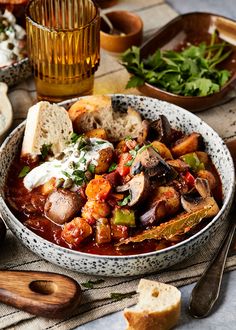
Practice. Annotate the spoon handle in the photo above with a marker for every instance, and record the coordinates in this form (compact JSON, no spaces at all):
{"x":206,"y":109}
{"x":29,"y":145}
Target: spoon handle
{"x":40,"y":293}
{"x":206,"y":291}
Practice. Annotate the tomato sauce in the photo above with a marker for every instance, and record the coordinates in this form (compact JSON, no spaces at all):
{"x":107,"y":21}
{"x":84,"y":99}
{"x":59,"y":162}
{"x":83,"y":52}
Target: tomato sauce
{"x":28,"y":208}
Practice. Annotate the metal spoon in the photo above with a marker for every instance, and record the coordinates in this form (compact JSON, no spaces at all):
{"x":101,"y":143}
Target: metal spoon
{"x":107,"y":21}
{"x":207,"y":289}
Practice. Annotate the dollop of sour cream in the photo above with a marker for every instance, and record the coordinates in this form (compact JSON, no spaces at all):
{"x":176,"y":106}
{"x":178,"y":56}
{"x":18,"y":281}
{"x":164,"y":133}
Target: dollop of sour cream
{"x":73,"y":159}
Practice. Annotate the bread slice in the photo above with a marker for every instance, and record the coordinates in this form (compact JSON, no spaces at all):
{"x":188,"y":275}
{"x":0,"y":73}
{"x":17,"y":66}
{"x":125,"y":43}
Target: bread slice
{"x":46,"y":124}
{"x":96,"y":112}
{"x":158,"y":307}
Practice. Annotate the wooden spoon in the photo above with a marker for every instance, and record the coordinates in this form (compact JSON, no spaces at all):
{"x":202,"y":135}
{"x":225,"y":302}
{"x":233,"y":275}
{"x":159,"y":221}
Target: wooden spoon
{"x":39,"y":293}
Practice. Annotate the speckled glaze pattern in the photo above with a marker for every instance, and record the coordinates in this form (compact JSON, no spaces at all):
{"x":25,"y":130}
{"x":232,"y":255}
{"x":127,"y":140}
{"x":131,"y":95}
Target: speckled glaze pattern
{"x":137,"y":264}
{"x":15,"y":73}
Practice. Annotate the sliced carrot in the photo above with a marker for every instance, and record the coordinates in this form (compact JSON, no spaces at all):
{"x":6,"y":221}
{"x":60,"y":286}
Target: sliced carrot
{"x":98,"y":189}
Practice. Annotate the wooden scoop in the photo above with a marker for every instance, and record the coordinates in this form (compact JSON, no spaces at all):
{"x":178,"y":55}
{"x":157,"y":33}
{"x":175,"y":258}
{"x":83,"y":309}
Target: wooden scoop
{"x":40,"y":293}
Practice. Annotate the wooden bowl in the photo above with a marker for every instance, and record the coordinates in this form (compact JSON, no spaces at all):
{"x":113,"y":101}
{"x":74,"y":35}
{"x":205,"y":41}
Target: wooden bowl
{"x":126,"y":22}
{"x":193,"y":28}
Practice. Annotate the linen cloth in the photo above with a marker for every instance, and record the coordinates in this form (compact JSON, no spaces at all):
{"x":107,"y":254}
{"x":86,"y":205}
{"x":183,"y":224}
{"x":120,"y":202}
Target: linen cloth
{"x":96,"y":302}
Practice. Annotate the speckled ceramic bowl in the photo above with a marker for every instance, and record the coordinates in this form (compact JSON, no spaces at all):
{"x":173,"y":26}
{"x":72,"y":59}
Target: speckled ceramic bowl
{"x":15,"y":73}
{"x":135,"y":264}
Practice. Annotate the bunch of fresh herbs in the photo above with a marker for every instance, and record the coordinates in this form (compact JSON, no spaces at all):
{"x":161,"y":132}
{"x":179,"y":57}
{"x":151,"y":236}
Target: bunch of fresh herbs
{"x":190,"y":72}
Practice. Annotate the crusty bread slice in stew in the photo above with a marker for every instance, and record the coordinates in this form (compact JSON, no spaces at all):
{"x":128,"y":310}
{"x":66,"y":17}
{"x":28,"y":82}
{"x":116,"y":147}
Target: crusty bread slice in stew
{"x":93,"y":112}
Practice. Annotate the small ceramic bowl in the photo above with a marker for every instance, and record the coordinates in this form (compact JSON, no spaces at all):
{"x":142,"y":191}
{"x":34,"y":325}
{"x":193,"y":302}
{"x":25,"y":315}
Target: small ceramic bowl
{"x":15,"y":73}
{"x":106,"y":265}
{"x":6,"y":113}
{"x":128,"y":31}
{"x":192,"y":28}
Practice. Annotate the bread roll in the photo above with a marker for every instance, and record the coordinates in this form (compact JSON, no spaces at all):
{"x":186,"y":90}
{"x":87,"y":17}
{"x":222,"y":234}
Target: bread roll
{"x":94,"y":112}
{"x":46,"y":124}
{"x":158,"y":307}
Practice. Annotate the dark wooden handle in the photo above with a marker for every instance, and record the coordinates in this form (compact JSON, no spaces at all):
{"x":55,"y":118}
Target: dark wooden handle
{"x":40,"y":293}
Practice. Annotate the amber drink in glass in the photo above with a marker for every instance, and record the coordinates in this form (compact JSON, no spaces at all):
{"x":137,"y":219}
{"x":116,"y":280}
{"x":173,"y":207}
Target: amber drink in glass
{"x":63,"y":46}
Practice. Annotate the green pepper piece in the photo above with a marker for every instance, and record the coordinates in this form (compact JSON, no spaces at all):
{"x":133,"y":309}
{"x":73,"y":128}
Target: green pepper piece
{"x":124,"y":217}
{"x":193,"y":161}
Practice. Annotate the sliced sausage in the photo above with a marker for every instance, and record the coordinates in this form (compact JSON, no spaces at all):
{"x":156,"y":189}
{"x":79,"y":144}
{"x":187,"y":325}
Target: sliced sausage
{"x":62,"y":205}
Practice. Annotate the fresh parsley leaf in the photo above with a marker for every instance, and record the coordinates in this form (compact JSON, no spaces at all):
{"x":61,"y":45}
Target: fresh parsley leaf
{"x":133,"y":153}
{"x":112,"y":167}
{"x":45,"y":150}
{"x":190,"y":72}
{"x":146,"y":146}
{"x":82,"y":142}
{"x":78,"y":177}
{"x":25,"y":170}
{"x":129,"y":163}
{"x":66,"y":174}
{"x":74,"y":137}
{"x":128,"y":138}
{"x":120,"y":296}
{"x":91,"y":168}
{"x":100,"y":142}
{"x":90,"y":284}
{"x":124,"y":201}
{"x":135,"y":81}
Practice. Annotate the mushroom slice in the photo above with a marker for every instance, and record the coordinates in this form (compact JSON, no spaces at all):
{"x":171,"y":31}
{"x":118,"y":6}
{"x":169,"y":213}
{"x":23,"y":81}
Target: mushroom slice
{"x":138,"y":188}
{"x":164,"y":201}
{"x":160,"y":130}
{"x":193,"y":203}
{"x":151,"y":163}
{"x":203,"y":187}
{"x":157,"y":211}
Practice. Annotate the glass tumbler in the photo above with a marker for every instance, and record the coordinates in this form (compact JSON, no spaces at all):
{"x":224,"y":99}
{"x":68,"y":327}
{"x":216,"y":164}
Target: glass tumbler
{"x":63,"y":46}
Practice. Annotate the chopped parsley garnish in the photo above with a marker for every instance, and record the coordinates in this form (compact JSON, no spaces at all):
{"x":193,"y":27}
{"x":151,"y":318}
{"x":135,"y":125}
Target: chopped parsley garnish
{"x":119,"y":296}
{"x":74,"y":137}
{"x":45,"y":150}
{"x":125,"y":201}
{"x":82,"y":142}
{"x":66,"y":174}
{"x":90,"y":284}
{"x":78,"y":177}
{"x":100,"y":142}
{"x":128,"y":137}
{"x":133,"y":153}
{"x":25,"y":170}
{"x":112,"y":167}
{"x":91,"y":168}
